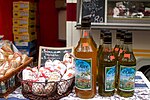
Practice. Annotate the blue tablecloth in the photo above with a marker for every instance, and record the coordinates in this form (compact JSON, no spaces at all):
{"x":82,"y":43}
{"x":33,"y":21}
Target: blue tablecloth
{"x":142,"y":92}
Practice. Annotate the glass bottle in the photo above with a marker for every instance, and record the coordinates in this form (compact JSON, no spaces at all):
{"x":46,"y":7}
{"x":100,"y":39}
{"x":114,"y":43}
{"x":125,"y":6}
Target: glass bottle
{"x":127,"y":63}
{"x":116,"y":50}
{"x":106,"y":68}
{"x":85,"y":63}
{"x":122,"y":41}
{"x":117,"y":45}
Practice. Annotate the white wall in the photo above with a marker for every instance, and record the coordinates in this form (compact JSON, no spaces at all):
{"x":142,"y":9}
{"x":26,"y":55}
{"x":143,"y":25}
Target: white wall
{"x":141,"y":39}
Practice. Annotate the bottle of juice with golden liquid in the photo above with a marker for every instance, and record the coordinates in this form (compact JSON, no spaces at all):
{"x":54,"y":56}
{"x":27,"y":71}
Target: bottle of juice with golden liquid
{"x":107,"y":68}
{"x":99,"y":51}
{"x":85,"y":63}
{"x":116,"y":50}
{"x":127,"y":63}
{"x":122,"y":33}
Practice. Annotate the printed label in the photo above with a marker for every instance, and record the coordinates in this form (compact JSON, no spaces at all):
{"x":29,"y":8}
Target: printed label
{"x":110,"y":78}
{"x":127,"y":76}
{"x":83,"y":76}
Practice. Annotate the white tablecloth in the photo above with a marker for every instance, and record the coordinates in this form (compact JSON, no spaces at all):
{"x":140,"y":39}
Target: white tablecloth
{"x":142,"y":92}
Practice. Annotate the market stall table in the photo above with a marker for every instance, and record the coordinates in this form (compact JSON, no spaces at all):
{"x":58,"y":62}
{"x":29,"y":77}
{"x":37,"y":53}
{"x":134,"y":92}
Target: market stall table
{"x":142,"y":92}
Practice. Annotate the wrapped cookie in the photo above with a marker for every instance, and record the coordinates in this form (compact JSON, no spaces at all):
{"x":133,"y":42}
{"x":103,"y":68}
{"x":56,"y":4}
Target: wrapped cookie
{"x":61,"y":68}
{"x":49,"y":64}
{"x":68,"y":58}
{"x":66,"y":82}
{"x":45,"y":72}
{"x":28,"y":74}
{"x":56,"y":62}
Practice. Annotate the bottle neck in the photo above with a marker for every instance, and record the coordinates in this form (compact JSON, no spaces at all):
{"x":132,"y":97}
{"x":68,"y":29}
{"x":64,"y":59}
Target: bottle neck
{"x":128,"y":47}
{"x":118,"y":42}
{"x":85,"y":33}
{"x":107,"y":47}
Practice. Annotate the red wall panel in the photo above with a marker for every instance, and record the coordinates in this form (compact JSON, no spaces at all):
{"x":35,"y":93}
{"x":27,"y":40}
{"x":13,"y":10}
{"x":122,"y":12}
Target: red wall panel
{"x":48,"y":22}
{"x":47,"y":17}
{"x":6,"y":19}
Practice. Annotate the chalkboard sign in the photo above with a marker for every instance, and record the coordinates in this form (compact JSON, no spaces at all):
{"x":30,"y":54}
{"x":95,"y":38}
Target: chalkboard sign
{"x":94,"y":9}
{"x":51,"y":53}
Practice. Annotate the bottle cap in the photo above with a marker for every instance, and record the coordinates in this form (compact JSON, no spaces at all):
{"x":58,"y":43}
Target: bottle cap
{"x":118,"y":35}
{"x":86,"y":22}
{"x":107,"y":38}
{"x":122,"y":34}
{"x":128,"y":37}
{"x":119,"y":30}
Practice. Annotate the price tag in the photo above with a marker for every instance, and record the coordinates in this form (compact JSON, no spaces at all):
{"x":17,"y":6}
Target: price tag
{"x":85,"y":44}
{"x":127,"y":56}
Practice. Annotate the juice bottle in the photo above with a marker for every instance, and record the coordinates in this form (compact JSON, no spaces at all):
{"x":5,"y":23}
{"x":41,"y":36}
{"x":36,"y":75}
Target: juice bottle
{"x":106,"y":68}
{"x":99,"y":51}
{"x":116,"y":50}
{"x":127,"y":63}
{"x":117,"y":45}
{"x":85,"y":63}
{"x":101,"y":42}
{"x":121,"y":41}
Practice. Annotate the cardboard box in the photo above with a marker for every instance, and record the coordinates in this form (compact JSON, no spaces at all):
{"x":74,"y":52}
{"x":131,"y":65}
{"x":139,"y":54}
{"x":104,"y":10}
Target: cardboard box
{"x":23,"y":5}
{"x":26,"y":45}
{"x":24,"y":22}
{"x":29,"y":52}
{"x":23,"y":29}
{"x":23,"y":14}
{"x":24,"y":37}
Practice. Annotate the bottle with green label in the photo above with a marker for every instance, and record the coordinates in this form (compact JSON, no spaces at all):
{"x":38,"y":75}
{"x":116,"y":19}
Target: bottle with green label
{"x":107,"y":68}
{"x":127,"y":70}
{"x":85,"y":63}
{"x":116,"y":50}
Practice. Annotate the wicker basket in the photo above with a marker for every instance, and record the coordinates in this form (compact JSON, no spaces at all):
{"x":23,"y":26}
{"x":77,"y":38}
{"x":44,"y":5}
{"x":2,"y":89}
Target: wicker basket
{"x":46,"y":90}
{"x":10,"y":82}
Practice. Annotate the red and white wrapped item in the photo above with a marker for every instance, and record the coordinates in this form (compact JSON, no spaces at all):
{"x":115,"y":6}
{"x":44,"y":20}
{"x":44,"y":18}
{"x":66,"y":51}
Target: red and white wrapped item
{"x":55,"y":76}
{"x":68,"y":58}
{"x":56,"y":62}
{"x":61,"y":68}
{"x":28,"y":74}
{"x":45,"y":72}
{"x":49,"y":64}
{"x":35,"y":71}
{"x":69,"y":74}
{"x":70,"y":66}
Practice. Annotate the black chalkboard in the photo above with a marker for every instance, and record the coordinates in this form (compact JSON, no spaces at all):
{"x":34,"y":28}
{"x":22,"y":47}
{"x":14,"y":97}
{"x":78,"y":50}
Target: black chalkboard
{"x":51,"y":53}
{"x":94,"y":9}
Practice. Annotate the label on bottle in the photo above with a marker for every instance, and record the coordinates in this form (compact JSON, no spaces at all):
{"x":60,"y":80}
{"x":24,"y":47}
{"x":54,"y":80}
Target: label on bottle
{"x":110,"y":78}
{"x":127,"y":76}
{"x":83,"y":76}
